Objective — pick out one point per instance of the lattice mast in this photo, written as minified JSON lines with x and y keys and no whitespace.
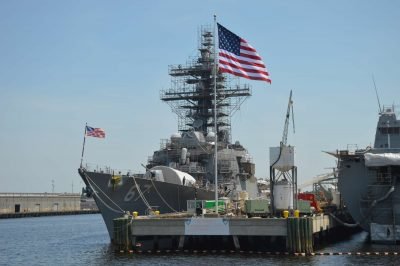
{"x":191,"y":95}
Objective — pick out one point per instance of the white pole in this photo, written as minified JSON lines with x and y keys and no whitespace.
{"x":215,"y":118}
{"x":388,"y":127}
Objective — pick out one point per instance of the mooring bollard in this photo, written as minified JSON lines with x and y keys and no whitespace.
{"x":285,"y":214}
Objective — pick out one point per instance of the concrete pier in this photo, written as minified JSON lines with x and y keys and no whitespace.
{"x":275,"y":234}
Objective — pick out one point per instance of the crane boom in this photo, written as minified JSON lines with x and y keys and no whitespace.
{"x":286,"y":126}
{"x":316,"y":179}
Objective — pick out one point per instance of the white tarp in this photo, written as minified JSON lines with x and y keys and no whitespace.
{"x":173,"y":176}
{"x":382,"y":159}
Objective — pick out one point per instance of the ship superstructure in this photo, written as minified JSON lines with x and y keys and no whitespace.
{"x":369,"y":180}
{"x":191,"y":97}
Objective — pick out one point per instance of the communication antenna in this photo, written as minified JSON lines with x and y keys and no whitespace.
{"x":377,"y":95}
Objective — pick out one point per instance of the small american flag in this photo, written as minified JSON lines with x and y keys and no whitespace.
{"x":95,"y":132}
{"x":239,"y":58}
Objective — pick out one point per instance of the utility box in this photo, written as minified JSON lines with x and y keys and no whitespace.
{"x":285,"y":154}
{"x":193,"y":206}
{"x":304,"y":206}
{"x":210,"y":204}
{"x":257,"y":207}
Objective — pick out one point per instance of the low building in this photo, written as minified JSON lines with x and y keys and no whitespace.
{"x":39,"y":202}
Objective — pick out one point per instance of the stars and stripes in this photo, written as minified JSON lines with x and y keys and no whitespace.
{"x":239,"y":58}
{"x":95,"y":132}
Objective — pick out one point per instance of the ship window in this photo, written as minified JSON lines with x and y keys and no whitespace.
{"x":383,"y":130}
{"x":391,"y":130}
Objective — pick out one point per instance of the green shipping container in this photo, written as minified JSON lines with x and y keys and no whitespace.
{"x":256,"y":207}
{"x":209,"y":204}
{"x":304,"y":206}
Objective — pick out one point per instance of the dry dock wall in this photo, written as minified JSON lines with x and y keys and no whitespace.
{"x":39,"y":202}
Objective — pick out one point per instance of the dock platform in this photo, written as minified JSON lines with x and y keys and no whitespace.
{"x":268,"y":234}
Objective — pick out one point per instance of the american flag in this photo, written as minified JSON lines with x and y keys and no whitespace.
{"x":95,"y":132}
{"x":239,"y":58}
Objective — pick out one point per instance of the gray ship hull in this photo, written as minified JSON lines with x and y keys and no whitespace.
{"x":372,"y":198}
{"x":115,"y":199}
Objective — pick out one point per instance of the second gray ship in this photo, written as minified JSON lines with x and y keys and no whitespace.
{"x":369,"y":181}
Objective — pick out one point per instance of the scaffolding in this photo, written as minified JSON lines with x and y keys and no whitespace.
{"x":191,"y":95}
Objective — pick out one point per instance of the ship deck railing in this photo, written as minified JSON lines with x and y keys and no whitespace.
{"x":192,"y":169}
{"x":109,"y":170}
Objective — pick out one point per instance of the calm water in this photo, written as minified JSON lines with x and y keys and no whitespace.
{"x":83,"y":240}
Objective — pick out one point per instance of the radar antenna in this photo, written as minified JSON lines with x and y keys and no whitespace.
{"x":377,"y":95}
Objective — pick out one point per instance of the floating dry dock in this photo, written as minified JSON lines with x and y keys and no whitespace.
{"x":216,"y":233}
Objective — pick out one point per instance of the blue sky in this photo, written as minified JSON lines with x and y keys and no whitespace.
{"x":65,"y":63}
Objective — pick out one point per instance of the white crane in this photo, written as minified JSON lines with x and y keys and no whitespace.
{"x":286,"y":126}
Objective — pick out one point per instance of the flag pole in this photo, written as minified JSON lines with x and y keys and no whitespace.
{"x":83,"y":146}
{"x":215,"y":118}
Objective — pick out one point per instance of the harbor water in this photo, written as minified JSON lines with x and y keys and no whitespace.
{"x":83,"y":240}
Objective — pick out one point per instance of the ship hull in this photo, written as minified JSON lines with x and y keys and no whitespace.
{"x":372,"y":199}
{"x":115,"y":198}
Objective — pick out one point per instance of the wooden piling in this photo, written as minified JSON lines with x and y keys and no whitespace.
{"x":302,"y":235}
{"x":299,"y":235}
{"x":289,"y":237}
{"x":123,"y":233}
{"x":310,"y":235}
{"x":236,"y":242}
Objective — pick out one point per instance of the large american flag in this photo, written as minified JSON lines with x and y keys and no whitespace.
{"x":95,"y":132}
{"x":239,"y":58}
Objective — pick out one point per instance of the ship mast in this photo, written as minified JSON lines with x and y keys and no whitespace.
{"x":215,"y":120}
{"x":191,"y":95}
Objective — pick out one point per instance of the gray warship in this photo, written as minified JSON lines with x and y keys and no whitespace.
{"x":183,"y":168}
{"x":369,"y":181}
